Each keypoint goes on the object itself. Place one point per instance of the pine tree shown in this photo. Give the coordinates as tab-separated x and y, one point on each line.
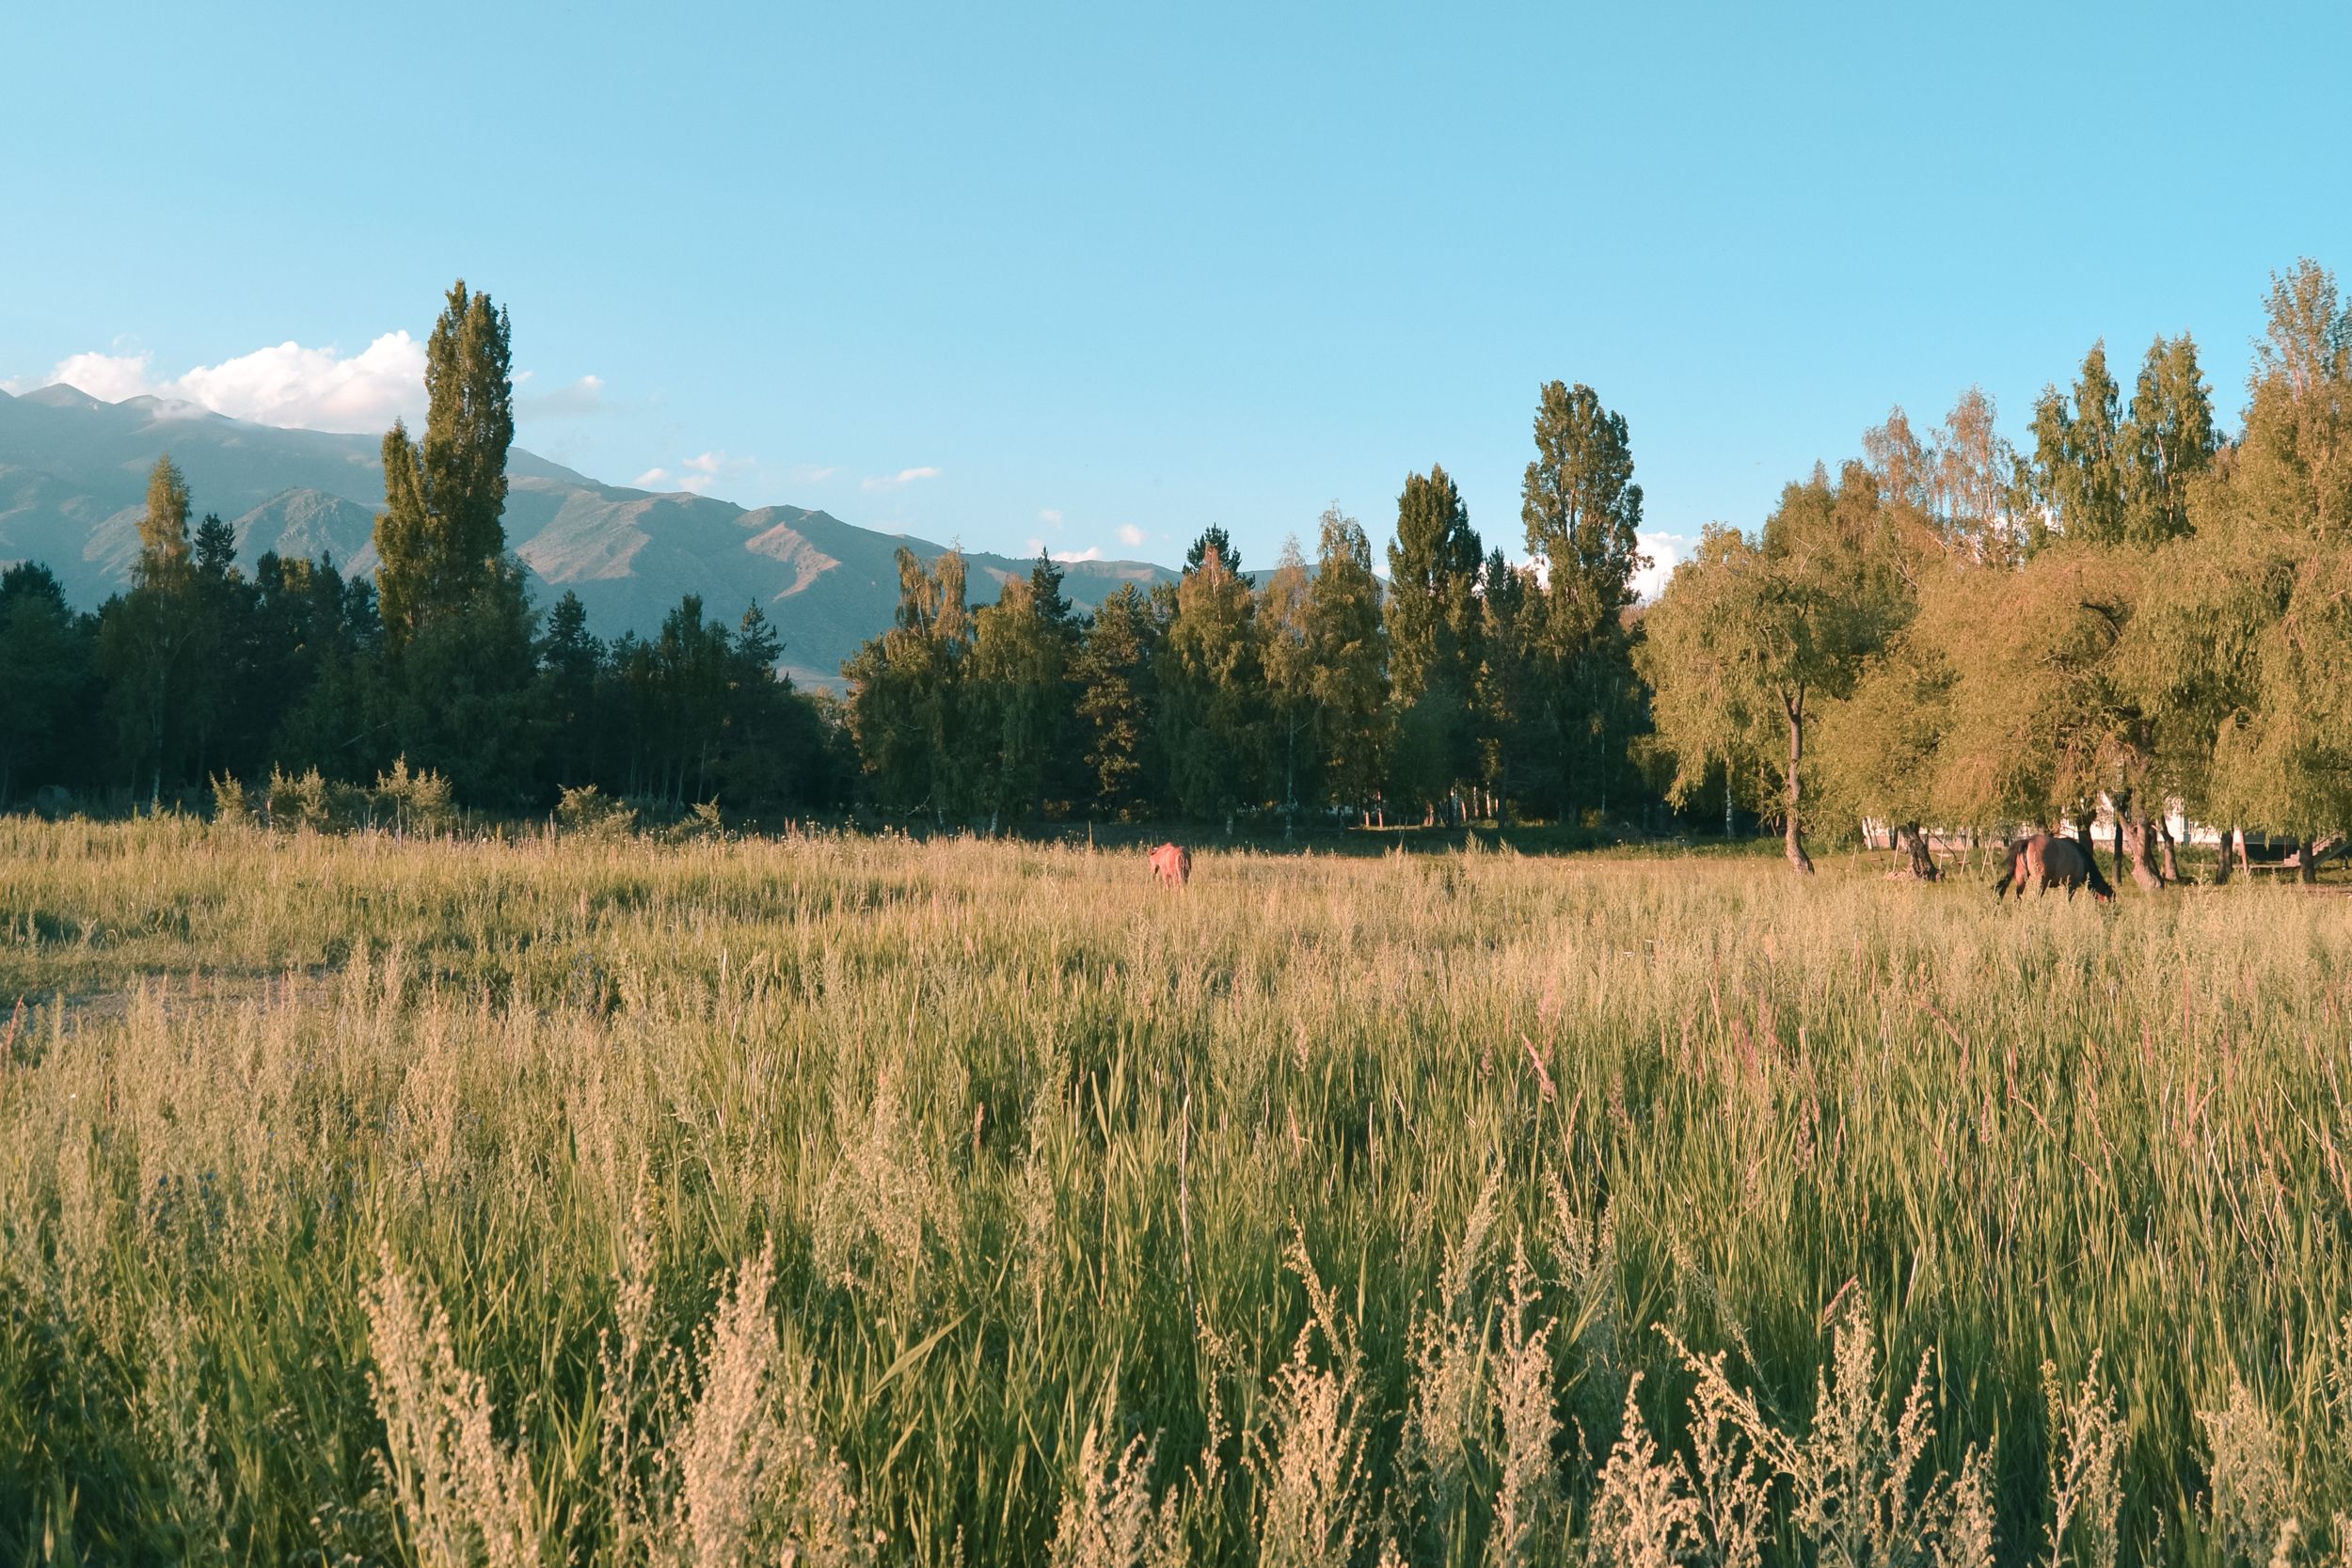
1115	670
571	659
46	671
1213	541
1214	709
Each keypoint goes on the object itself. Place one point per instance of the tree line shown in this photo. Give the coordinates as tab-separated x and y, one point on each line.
1469	686
1949	631
205	670
2134	610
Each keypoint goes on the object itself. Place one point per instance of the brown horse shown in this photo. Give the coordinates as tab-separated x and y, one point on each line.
2040	863
1172	864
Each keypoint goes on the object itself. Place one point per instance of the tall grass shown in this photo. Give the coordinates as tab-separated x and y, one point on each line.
586	1200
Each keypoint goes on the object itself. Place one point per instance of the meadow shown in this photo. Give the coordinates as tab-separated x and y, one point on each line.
604	1201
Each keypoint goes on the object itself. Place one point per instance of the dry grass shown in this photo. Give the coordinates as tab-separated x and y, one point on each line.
588	1200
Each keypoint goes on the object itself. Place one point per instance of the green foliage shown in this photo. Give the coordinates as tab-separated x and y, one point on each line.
905	690
47	667
1212	693
440	540
1433	636
420	803
1348	655
587	810
1751	639
1115	669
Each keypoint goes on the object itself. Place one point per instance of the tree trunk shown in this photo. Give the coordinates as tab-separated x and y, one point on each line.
2137	837
1793	834
2307	859
2116	802
2164	843
1911	842
2222	863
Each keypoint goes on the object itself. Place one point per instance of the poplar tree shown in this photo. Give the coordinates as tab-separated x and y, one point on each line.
458	625
144	636
1432	625
440	540
2080	452
2169	441
1287	649
1348	660
1582	513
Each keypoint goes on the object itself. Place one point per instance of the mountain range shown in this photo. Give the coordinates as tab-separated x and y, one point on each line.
73	485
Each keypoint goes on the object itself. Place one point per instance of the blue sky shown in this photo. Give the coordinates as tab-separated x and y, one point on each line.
1099	276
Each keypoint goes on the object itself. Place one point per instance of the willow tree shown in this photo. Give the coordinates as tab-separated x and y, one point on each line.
2282	511
1750	637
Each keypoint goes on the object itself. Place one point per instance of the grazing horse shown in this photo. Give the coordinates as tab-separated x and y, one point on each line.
2040	863
1172	864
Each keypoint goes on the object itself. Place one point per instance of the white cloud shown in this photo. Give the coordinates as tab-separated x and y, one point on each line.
107	377
1034	546
1663	550
288	386
304	388
315	389
903	477
1050	516
810	473
584	396
1092	552
1130	535
649	478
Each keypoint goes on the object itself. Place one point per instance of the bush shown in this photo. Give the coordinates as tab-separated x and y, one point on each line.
414	803
589	811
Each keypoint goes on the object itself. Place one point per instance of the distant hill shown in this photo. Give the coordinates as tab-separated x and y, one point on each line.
73	482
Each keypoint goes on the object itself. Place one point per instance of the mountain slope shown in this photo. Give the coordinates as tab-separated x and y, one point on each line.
74	480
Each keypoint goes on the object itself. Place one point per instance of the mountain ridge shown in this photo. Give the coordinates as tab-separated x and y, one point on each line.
73	482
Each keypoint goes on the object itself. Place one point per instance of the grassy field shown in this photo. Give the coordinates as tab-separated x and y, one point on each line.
842	1200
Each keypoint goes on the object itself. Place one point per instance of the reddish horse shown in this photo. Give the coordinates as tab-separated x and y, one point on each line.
2040	863
1172	864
